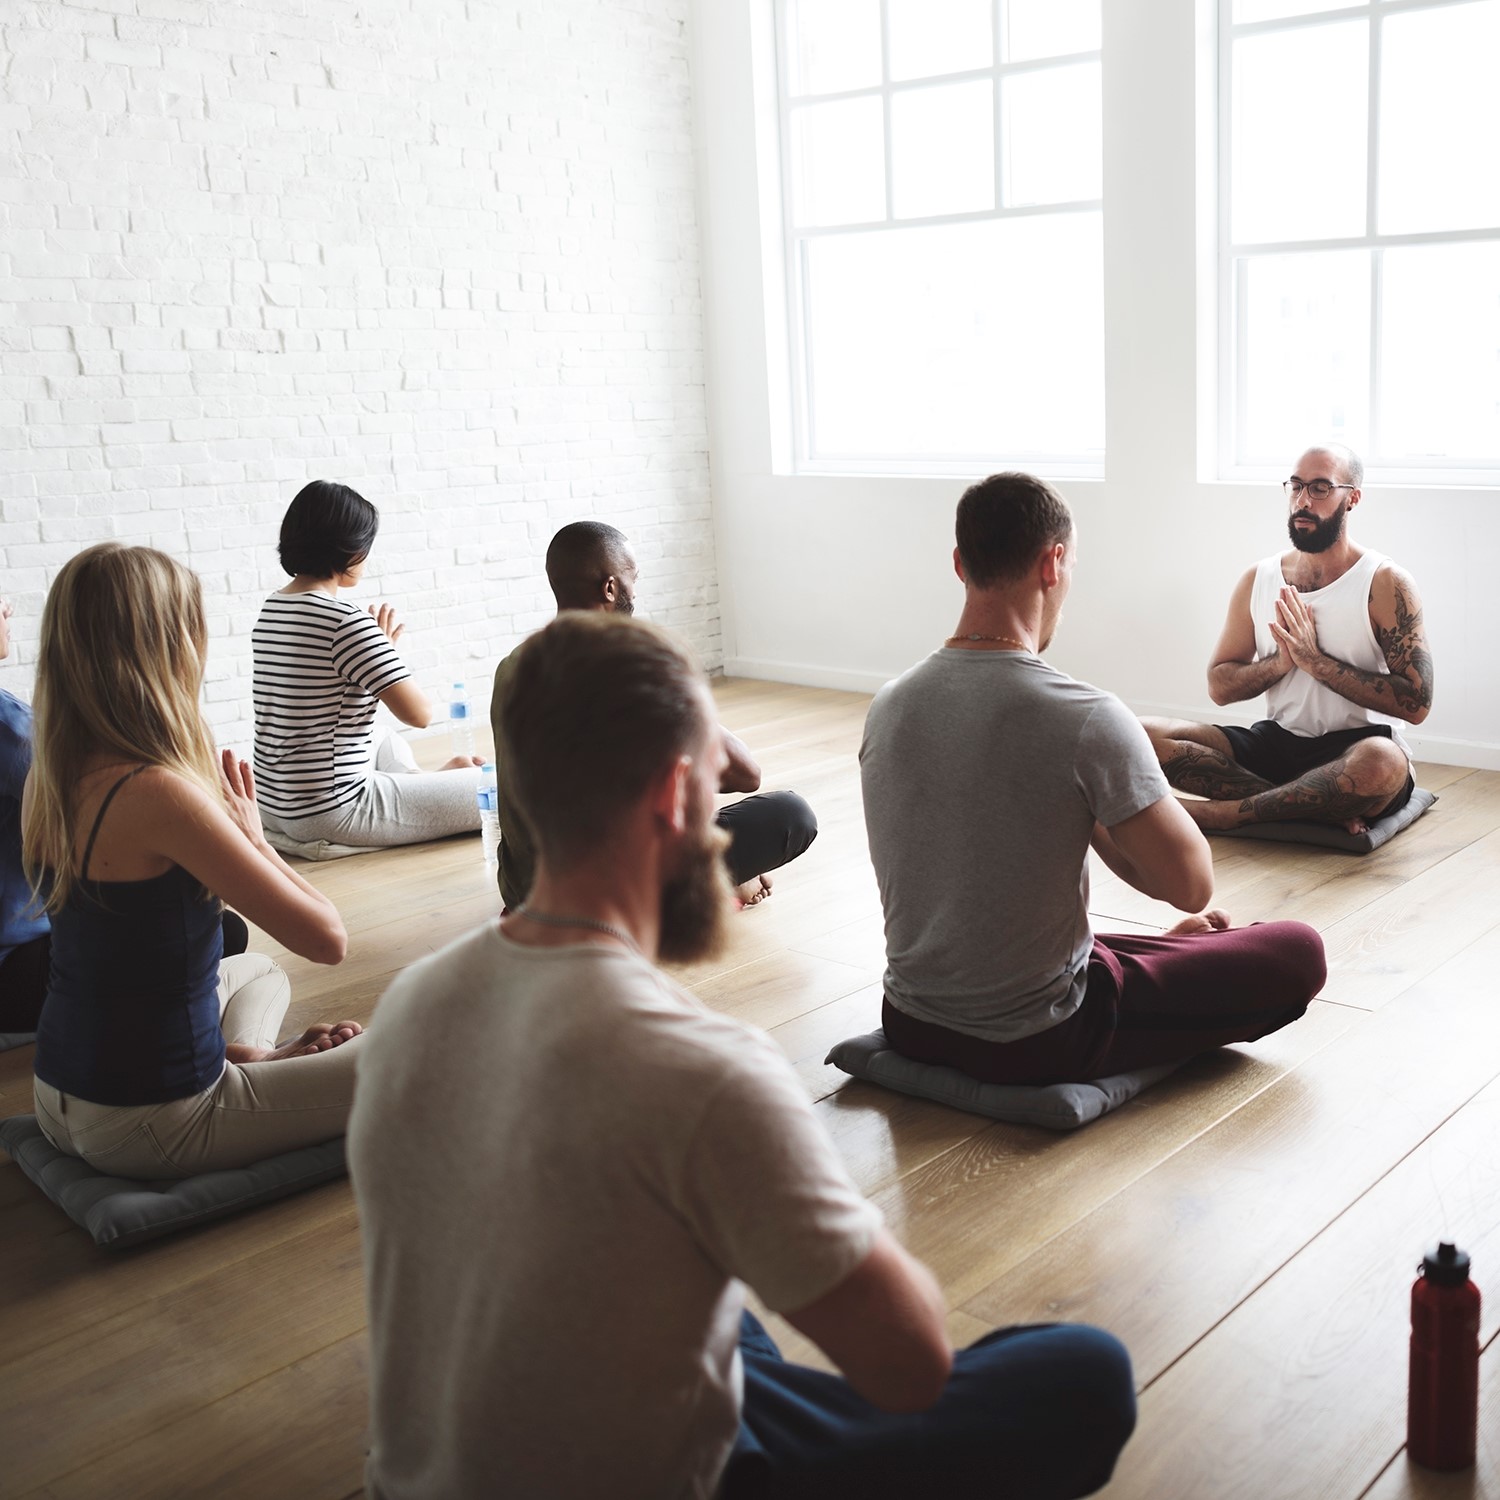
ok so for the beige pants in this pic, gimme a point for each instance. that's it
(255, 1110)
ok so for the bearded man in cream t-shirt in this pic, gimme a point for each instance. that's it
(569, 1171)
(1332, 634)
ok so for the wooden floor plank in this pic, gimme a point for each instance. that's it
(230, 1361)
(297, 1432)
(1404, 1480)
(1306, 1379)
(82, 1397)
(988, 1206)
(1164, 1260)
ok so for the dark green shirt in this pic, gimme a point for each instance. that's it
(517, 853)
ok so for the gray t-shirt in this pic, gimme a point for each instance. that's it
(984, 773)
(567, 1170)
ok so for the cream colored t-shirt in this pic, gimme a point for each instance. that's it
(566, 1170)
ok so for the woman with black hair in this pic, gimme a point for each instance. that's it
(321, 666)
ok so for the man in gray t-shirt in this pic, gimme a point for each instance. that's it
(987, 776)
(569, 1171)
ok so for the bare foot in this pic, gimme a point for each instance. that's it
(462, 763)
(317, 1038)
(753, 892)
(1212, 814)
(1357, 826)
(1214, 919)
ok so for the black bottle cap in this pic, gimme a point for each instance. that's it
(1446, 1265)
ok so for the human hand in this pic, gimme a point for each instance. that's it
(384, 616)
(1295, 631)
(238, 781)
(1210, 920)
(7, 609)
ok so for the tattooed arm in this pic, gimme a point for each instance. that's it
(1235, 673)
(1404, 690)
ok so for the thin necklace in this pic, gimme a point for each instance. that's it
(1004, 640)
(546, 919)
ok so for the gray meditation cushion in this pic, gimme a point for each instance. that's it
(1330, 835)
(120, 1211)
(316, 849)
(9, 1039)
(1059, 1106)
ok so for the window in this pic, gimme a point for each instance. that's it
(941, 191)
(1359, 233)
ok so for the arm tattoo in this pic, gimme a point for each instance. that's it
(1406, 653)
(1191, 767)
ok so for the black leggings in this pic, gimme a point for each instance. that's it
(24, 972)
(765, 832)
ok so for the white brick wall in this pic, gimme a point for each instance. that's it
(441, 250)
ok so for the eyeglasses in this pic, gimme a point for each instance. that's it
(1319, 489)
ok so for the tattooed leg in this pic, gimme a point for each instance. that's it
(1347, 790)
(1206, 772)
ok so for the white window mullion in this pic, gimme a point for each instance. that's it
(888, 310)
(1231, 376)
(1393, 263)
(1372, 229)
(800, 390)
(997, 17)
(885, 88)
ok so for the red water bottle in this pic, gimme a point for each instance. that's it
(1442, 1404)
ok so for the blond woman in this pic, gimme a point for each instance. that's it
(156, 1057)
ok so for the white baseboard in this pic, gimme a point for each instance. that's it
(804, 674)
(1435, 748)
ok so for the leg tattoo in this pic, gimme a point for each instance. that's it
(1195, 768)
(1327, 794)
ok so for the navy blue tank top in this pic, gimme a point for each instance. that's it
(132, 1011)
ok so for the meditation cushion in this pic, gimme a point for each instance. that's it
(9, 1039)
(1060, 1106)
(120, 1211)
(315, 849)
(1331, 836)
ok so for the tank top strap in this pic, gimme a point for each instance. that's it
(109, 796)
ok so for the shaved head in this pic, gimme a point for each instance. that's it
(1352, 469)
(581, 557)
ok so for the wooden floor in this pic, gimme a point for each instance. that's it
(1249, 1227)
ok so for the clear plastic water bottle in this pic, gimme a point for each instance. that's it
(489, 815)
(460, 721)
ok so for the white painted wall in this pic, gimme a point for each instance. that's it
(845, 582)
(443, 250)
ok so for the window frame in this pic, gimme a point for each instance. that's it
(795, 240)
(1232, 258)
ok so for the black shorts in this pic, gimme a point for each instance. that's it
(1279, 756)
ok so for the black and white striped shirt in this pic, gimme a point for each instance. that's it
(320, 664)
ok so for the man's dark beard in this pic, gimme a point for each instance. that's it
(624, 603)
(1324, 533)
(695, 901)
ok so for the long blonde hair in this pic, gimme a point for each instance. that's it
(119, 668)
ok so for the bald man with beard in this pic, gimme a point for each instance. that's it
(1332, 634)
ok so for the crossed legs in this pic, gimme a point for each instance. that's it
(1350, 789)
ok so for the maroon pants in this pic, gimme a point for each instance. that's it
(1149, 1000)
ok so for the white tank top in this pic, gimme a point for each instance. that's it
(1341, 610)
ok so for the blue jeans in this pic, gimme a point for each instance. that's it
(1037, 1413)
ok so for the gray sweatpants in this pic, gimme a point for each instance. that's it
(401, 804)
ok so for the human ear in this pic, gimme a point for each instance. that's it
(669, 794)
